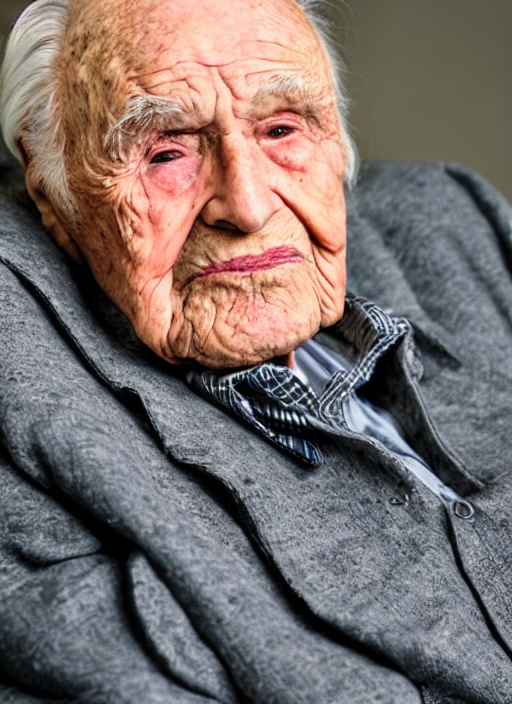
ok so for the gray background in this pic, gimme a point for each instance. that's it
(429, 79)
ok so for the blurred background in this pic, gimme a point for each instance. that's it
(429, 79)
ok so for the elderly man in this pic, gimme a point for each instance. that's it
(201, 503)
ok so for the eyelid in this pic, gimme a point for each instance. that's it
(287, 118)
(288, 113)
(301, 116)
(168, 142)
(154, 156)
(155, 150)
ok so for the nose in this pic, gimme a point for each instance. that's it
(243, 198)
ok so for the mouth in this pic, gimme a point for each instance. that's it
(277, 256)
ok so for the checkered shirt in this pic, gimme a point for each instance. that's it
(286, 410)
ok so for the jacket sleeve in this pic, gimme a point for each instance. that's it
(65, 624)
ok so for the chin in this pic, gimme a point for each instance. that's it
(234, 320)
(219, 339)
(234, 357)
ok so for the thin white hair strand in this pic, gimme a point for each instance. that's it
(28, 105)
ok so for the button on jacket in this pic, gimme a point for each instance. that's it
(154, 548)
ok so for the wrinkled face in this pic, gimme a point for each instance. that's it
(209, 179)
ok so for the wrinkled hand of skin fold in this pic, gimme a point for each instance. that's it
(224, 243)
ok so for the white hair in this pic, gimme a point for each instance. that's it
(28, 93)
(28, 101)
(322, 29)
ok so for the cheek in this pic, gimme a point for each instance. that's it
(314, 194)
(173, 198)
(315, 156)
(334, 159)
(314, 164)
(292, 155)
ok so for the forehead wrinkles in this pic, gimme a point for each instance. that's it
(221, 32)
(114, 48)
(112, 41)
(242, 58)
(244, 78)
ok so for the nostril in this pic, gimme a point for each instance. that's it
(226, 225)
(220, 224)
(238, 209)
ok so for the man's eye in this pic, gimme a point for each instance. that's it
(280, 131)
(164, 157)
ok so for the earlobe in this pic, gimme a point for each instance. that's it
(49, 217)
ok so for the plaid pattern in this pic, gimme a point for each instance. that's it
(286, 410)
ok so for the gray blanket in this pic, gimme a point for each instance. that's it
(155, 550)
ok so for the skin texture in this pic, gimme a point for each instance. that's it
(219, 228)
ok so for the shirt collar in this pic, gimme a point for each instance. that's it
(282, 406)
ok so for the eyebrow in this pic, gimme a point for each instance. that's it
(146, 113)
(294, 89)
(143, 114)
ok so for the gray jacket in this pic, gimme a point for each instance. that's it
(154, 550)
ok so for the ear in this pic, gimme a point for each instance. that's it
(49, 216)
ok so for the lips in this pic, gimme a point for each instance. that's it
(254, 262)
